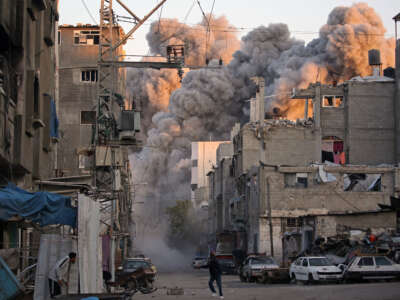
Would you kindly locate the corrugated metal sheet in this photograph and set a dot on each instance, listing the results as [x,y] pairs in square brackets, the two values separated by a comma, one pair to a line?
[52,248]
[89,245]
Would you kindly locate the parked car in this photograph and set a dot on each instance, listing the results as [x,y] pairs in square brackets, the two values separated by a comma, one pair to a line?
[314,269]
[227,264]
[370,268]
[133,264]
[200,262]
[254,266]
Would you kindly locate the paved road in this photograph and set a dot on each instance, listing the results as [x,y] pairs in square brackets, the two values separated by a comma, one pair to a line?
[195,285]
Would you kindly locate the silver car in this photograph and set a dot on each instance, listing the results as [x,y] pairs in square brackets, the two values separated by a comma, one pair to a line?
[254,267]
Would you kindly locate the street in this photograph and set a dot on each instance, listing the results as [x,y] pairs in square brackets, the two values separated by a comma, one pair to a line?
[195,285]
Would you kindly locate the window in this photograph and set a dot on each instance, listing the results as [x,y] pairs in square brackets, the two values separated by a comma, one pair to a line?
[366,261]
[84,161]
[332,101]
[88,117]
[296,180]
[59,37]
[89,76]
[86,37]
[333,150]
[194,162]
[305,262]
[320,262]
[36,98]
[361,182]
[382,261]
[291,222]
[294,222]
[298,262]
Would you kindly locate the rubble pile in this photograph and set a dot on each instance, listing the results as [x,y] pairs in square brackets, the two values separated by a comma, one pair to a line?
[274,123]
[342,247]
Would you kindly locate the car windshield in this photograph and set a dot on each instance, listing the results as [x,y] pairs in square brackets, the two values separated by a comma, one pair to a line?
[135,264]
[319,262]
[263,260]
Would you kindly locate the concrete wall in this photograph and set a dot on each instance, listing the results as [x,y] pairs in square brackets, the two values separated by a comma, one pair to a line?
[228,191]
[290,146]
[371,122]
[365,121]
[327,202]
[377,222]
[246,149]
[204,157]
[28,52]
[77,95]
[324,197]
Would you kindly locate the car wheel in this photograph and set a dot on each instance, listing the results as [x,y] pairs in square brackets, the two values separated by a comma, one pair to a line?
[261,279]
[310,279]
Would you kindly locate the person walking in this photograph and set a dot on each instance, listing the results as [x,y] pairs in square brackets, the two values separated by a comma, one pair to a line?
[215,275]
[58,272]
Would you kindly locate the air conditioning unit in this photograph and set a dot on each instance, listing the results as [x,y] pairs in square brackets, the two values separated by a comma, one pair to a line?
[129,121]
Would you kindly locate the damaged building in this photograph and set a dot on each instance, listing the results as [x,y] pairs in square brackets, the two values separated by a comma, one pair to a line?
[28,121]
[333,171]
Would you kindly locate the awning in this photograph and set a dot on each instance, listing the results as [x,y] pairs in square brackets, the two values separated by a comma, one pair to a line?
[41,207]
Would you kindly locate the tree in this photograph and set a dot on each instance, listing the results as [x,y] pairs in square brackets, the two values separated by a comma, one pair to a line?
[183,230]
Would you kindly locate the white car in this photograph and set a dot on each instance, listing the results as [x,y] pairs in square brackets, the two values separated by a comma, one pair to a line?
[200,262]
[254,266]
[311,269]
[371,267]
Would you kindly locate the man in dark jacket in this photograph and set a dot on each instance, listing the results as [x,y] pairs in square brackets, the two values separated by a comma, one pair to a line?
[215,275]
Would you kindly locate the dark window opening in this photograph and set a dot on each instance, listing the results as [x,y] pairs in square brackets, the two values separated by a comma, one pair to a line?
[332,101]
[89,76]
[194,162]
[291,222]
[296,180]
[86,37]
[361,182]
[36,98]
[88,117]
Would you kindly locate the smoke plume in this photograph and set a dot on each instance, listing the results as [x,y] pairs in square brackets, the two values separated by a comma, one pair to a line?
[210,101]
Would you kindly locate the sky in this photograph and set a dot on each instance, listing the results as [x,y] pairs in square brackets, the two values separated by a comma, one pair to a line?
[304,17]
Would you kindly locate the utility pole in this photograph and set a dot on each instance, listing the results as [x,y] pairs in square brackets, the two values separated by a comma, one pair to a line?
[110,106]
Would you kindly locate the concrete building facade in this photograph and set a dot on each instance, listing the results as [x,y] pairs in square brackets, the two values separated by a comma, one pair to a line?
[321,176]
[204,158]
[27,91]
[78,55]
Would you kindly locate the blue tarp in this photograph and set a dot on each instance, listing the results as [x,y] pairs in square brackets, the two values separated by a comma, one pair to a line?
[41,207]
[53,120]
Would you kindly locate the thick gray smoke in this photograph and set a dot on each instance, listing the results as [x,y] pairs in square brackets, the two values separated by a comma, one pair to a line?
[151,89]
[210,101]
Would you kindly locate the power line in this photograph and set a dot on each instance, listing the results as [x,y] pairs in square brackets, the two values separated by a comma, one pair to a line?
[208,30]
[88,11]
[246,29]
[189,11]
